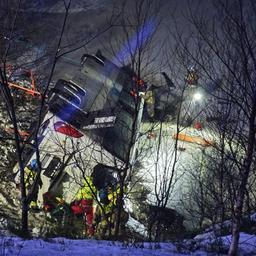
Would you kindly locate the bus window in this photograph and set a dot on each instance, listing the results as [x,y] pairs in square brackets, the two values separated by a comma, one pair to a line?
[45,160]
[52,168]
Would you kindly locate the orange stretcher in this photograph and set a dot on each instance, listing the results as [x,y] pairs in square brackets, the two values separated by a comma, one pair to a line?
[193,139]
[31,91]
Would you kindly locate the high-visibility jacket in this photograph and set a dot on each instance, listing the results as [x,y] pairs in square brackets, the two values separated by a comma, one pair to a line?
[30,176]
[192,78]
[88,191]
[149,97]
[112,196]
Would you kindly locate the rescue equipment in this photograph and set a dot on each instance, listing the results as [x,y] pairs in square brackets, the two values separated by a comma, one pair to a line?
[193,139]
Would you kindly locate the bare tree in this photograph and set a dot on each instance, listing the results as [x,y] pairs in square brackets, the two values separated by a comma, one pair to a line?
[134,47]
[60,48]
[223,47]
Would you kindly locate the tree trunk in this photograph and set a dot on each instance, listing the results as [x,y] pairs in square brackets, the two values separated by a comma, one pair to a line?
[24,219]
[242,188]
[236,227]
[120,197]
[24,203]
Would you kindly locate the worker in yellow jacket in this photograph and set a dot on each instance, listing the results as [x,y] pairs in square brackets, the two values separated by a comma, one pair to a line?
[106,213]
[149,98]
[30,172]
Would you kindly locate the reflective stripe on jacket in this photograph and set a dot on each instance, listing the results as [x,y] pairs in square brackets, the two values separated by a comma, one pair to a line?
[30,176]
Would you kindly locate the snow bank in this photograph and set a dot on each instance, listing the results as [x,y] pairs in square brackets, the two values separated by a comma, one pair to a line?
[247,243]
[202,245]
[137,227]
[10,246]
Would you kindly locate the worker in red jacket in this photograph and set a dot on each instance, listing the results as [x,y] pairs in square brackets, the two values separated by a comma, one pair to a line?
[84,203]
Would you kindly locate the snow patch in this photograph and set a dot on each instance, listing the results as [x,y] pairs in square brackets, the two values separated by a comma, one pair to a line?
[137,226]
[203,245]
[62,246]
[205,236]
[253,217]
[247,243]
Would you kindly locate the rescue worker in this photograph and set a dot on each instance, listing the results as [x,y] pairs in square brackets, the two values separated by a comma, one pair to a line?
[106,213]
[61,212]
[30,172]
[149,98]
[192,77]
[52,203]
[49,202]
[84,199]
[102,218]
[113,197]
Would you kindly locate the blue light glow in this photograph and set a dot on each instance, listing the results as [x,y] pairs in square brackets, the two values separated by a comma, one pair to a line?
[136,41]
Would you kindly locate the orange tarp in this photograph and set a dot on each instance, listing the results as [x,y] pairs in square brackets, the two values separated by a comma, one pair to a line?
[193,139]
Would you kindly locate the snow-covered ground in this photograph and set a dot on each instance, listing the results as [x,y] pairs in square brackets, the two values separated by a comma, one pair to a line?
[200,246]
[61,246]
[158,167]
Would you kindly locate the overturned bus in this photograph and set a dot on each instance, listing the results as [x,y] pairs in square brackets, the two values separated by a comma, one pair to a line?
[92,120]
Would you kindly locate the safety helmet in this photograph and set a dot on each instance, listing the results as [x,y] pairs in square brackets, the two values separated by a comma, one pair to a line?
[34,164]
[191,68]
[103,196]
